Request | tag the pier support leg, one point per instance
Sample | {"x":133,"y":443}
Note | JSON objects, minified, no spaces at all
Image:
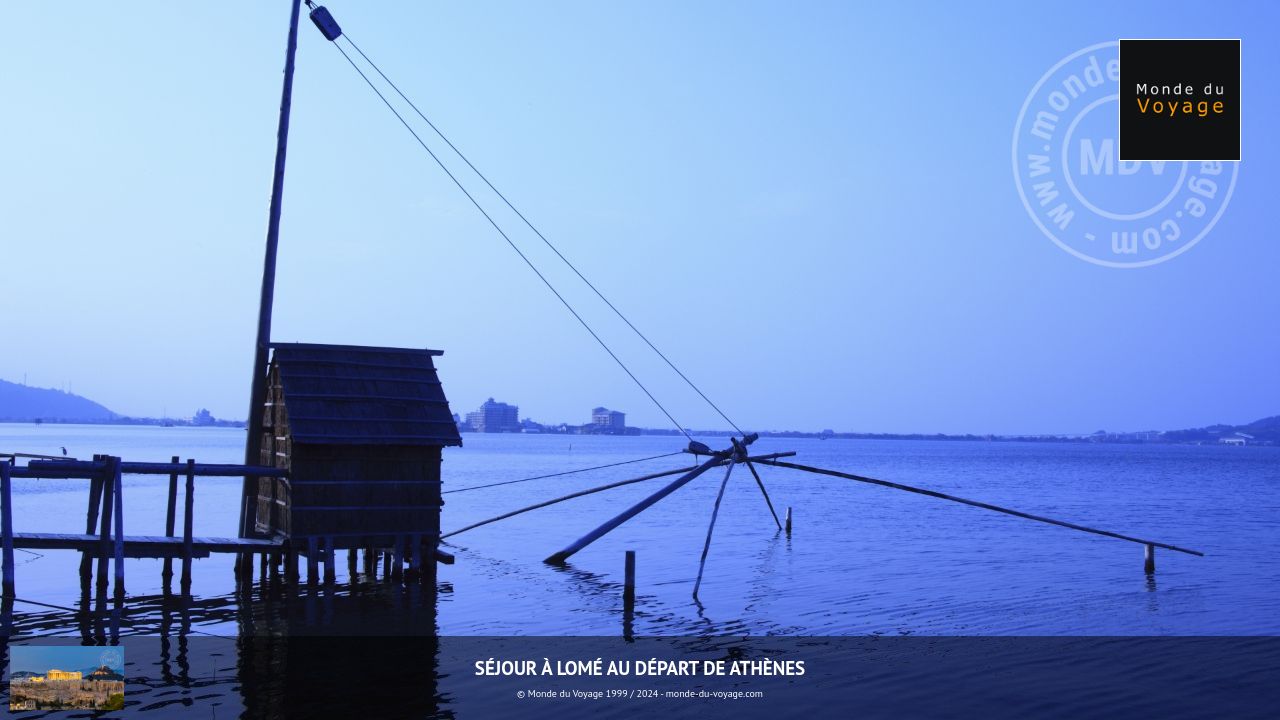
{"x":313,"y":573}
{"x":370,"y":561}
{"x":117,"y":482}
{"x":386,"y":565}
{"x":104,"y":530}
{"x":788,"y":522}
{"x":6,"y":529}
{"x":397,"y":559}
{"x":91,"y":522}
{"x":170,"y":522}
{"x":415,"y":558}
{"x":188,"y":522}
{"x":351,"y":565}
{"x":291,"y":566}
{"x":1149,"y":560}
{"x":330,"y":559}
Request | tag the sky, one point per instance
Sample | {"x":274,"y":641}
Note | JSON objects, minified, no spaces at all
{"x":42,"y":658}
{"x":809,"y":207}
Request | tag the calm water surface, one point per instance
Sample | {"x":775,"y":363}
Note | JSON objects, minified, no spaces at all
{"x":862,"y":560}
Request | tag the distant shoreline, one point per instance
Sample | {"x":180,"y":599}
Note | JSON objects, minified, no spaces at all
{"x":1213,"y":435}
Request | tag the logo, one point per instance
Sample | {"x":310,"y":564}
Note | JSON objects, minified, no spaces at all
{"x":1082,"y":196}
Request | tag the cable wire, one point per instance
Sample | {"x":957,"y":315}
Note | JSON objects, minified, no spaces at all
{"x":567,"y":472}
{"x":504,"y":235}
{"x":542,"y":237}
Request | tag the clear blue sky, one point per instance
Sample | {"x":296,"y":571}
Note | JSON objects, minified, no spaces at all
{"x":808,"y":205}
{"x":42,"y":658}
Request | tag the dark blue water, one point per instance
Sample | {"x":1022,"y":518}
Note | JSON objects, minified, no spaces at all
{"x":861,"y":559}
{"x":865,"y":567}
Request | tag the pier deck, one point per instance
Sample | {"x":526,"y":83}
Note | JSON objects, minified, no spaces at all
{"x":145,"y":546}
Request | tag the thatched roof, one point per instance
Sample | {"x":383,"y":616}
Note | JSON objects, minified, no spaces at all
{"x":352,"y":395}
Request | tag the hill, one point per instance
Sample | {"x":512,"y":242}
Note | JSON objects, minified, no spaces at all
{"x":21,"y":403}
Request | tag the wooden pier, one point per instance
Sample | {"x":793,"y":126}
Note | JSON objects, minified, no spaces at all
{"x":104,"y":538}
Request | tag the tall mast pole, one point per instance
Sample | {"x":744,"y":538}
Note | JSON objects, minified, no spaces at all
{"x":261,"y":348}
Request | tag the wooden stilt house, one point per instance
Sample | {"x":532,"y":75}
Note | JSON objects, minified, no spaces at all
{"x":360,"y":430}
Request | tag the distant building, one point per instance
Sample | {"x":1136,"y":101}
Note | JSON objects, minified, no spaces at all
{"x":495,"y":417}
{"x":607,"y":422}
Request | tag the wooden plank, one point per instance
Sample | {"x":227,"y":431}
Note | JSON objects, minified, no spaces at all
{"x":157,"y":546}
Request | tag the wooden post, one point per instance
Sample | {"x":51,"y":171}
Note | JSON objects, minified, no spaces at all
{"x":104,"y":525}
{"x":188,"y":523}
{"x":91,"y":520}
{"x":370,"y":561}
{"x":6,"y":528}
{"x":262,"y":348}
{"x":291,"y":566}
{"x":629,"y":583}
{"x":330,"y":559}
{"x":397,"y":559}
{"x":351,"y":564}
{"x":386,"y":565}
{"x":788,"y":521}
{"x":415,"y":557}
{"x":313,"y":574}
{"x":1149,"y":560}
{"x":262,"y":566}
{"x":170,"y":519}
{"x":117,"y":483}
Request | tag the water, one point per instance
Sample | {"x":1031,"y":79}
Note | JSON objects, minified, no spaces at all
{"x":862,"y":560}
{"x":863,"y":590}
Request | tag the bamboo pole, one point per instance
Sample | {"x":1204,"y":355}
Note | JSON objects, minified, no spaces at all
{"x":570,"y":496}
{"x":764,"y":492}
{"x":975,"y":503}
{"x":715,"y":511}
{"x":609,"y":525}
{"x":590,"y":491}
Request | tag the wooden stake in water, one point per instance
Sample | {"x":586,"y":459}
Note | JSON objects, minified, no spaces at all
{"x":104,"y":535}
{"x":714,"y":512}
{"x":170,"y":519}
{"x":1149,"y":559}
{"x":788,"y":522}
{"x":6,"y":528}
{"x":188,"y":523}
{"x":629,"y":583}
{"x":117,"y":483}
{"x":313,"y":574}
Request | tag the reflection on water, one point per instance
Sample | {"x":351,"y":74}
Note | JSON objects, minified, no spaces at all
{"x":297,"y":651}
